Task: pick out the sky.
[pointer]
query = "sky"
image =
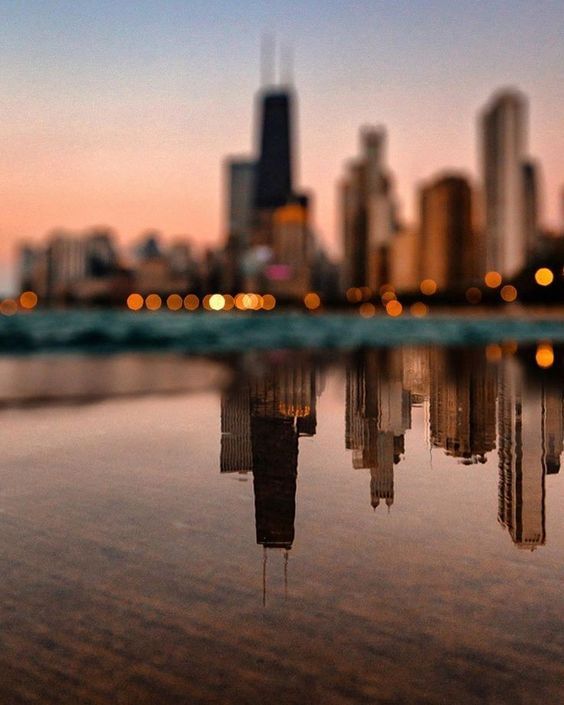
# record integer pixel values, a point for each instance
(122, 113)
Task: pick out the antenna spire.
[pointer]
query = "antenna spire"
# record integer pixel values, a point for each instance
(267, 60)
(286, 65)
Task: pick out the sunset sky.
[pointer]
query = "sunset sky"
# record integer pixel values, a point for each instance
(121, 113)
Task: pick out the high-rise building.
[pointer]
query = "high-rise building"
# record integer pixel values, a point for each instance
(368, 214)
(274, 182)
(530, 182)
(503, 127)
(241, 179)
(447, 246)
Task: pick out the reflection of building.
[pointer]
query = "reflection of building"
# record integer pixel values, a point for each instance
(378, 412)
(530, 445)
(261, 422)
(462, 403)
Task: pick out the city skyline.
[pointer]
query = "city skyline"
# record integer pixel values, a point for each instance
(79, 159)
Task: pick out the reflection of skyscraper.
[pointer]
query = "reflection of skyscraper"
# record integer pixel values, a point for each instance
(522, 458)
(504, 137)
(261, 422)
(462, 403)
(378, 412)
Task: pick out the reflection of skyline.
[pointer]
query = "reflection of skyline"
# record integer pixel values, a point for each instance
(261, 422)
(472, 406)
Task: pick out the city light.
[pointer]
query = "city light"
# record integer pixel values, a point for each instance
(394, 308)
(268, 302)
(206, 302)
(388, 296)
(544, 276)
(312, 301)
(544, 355)
(28, 300)
(216, 302)
(354, 295)
(153, 302)
(473, 295)
(419, 309)
(508, 293)
(134, 302)
(428, 287)
(174, 302)
(494, 353)
(493, 279)
(8, 307)
(367, 310)
(229, 302)
(191, 302)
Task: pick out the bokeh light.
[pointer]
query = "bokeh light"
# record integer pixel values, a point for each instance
(153, 302)
(544, 355)
(191, 302)
(206, 302)
(134, 302)
(354, 295)
(312, 301)
(428, 287)
(229, 302)
(388, 296)
(544, 276)
(493, 279)
(174, 302)
(367, 310)
(419, 309)
(28, 300)
(494, 353)
(268, 302)
(508, 293)
(216, 302)
(394, 308)
(8, 307)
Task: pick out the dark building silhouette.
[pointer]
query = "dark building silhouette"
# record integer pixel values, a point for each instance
(274, 184)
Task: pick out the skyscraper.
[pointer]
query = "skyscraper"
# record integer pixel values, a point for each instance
(447, 244)
(274, 183)
(503, 149)
(368, 213)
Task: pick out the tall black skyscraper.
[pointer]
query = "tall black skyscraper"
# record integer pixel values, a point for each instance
(274, 184)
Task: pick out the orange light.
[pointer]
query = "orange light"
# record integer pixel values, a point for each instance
(134, 302)
(28, 299)
(544, 355)
(366, 292)
(240, 302)
(386, 287)
(388, 296)
(229, 302)
(493, 352)
(268, 302)
(216, 302)
(312, 301)
(8, 307)
(367, 310)
(191, 302)
(509, 347)
(251, 302)
(174, 302)
(428, 287)
(206, 302)
(394, 308)
(354, 295)
(153, 302)
(508, 293)
(419, 309)
(493, 279)
(473, 295)
(544, 276)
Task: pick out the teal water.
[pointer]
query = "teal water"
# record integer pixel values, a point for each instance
(122, 331)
